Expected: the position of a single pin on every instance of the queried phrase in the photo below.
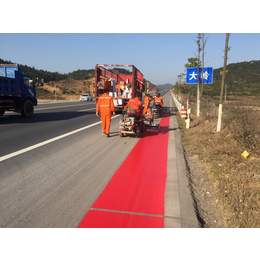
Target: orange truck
(121, 87)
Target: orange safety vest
(135, 104)
(118, 87)
(105, 104)
(158, 100)
(147, 101)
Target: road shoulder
(179, 207)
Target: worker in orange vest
(118, 87)
(105, 106)
(147, 101)
(158, 100)
(135, 104)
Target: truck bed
(9, 87)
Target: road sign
(192, 75)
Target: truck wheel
(2, 112)
(27, 110)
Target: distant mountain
(166, 85)
(149, 86)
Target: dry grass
(69, 89)
(236, 180)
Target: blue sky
(159, 56)
(156, 37)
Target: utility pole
(222, 84)
(198, 86)
(204, 41)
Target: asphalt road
(55, 184)
(54, 166)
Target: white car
(86, 97)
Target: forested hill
(48, 76)
(241, 78)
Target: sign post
(197, 76)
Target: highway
(50, 120)
(55, 165)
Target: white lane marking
(43, 108)
(86, 109)
(10, 155)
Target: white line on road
(86, 109)
(8, 156)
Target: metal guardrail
(177, 103)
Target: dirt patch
(68, 89)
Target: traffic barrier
(177, 103)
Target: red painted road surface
(134, 198)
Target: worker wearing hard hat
(105, 106)
(147, 100)
(158, 100)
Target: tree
(193, 63)
(222, 83)
(197, 63)
(180, 76)
(198, 66)
(204, 41)
(201, 42)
